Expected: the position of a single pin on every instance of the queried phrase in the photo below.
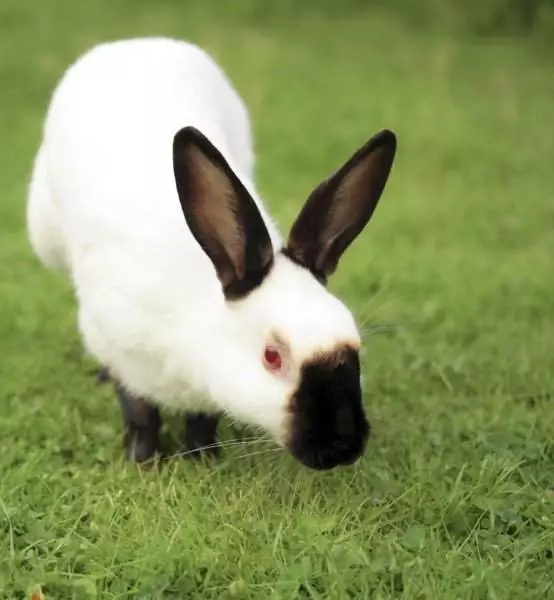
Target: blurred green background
(451, 284)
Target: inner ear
(221, 214)
(211, 214)
(341, 206)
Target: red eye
(272, 359)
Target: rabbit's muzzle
(327, 425)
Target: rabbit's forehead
(309, 319)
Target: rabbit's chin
(321, 453)
(324, 459)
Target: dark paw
(142, 427)
(200, 440)
(141, 446)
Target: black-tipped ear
(340, 207)
(221, 214)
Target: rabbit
(142, 192)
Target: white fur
(103, 204)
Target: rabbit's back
(114, 114)
(142, 281)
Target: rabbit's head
(291, 363)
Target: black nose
(328, 426)
(345, 422)
(337, 450)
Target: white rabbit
(212, 312)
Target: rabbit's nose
(345, 423)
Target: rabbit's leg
(142, 426)
(200, 436)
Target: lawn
(452, 283)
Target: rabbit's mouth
(336, 452)
(328, 426)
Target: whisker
(227, 444)
(249, 440)
(363, 323)
(252, 438)
(267, 451)
(380, 329)
(376, 310)
(373, 297)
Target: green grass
(452, 283)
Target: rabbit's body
(104, 206)
(104, 180)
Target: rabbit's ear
(221, 214)
(340, 207)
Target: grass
(452, 283)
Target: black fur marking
(142, 426)
(200, 437)
(338, 209)
(329, 426)
(241, 267)
(252, 279)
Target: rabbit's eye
(272, 359)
